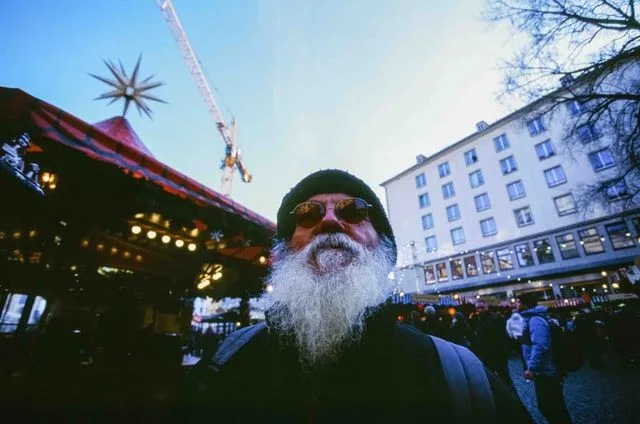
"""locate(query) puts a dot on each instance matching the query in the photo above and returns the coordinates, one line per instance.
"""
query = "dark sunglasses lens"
(352, 210)
(308, 214)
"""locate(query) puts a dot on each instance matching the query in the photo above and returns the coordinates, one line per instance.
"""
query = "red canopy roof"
(119, 128)
(102, 142)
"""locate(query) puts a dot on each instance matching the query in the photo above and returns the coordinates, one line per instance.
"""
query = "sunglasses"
(353, 211)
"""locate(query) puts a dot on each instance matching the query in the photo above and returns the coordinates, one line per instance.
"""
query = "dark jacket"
(490, 341)
(392, 375)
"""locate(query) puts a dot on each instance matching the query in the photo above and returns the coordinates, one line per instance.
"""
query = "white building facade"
(495, 214)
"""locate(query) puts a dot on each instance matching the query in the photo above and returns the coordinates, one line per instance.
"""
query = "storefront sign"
(425, 298)
(490, 300)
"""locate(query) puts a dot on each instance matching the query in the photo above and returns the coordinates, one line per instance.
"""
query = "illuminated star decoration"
(129, 89)
(217, 236)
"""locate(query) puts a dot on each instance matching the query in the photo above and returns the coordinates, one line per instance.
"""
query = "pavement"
(610, 394)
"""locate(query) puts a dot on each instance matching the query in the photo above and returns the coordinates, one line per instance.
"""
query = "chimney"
(481, 126)
(567, 80)
(420, 159)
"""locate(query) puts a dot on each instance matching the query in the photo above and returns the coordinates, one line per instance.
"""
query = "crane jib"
(232, 158)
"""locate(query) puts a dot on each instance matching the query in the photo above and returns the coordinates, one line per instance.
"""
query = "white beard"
(320, 293)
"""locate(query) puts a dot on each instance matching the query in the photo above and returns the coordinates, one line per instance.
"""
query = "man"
(491, 342)
(540, 367)
(331, 351)
(433, 324)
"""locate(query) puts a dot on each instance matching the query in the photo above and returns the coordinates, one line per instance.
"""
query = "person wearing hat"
(331, 349)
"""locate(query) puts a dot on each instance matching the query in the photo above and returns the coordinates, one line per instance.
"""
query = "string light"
(166, 239)
(179, 243)
(204, 283)
(151, 234)
(192, 247)
(135, 229)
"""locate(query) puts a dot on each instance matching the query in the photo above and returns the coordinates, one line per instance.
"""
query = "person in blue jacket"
(540, 367)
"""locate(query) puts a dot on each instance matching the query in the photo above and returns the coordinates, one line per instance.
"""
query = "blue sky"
(362, 85)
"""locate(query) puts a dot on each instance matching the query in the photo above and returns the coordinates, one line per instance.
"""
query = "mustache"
(333, 241)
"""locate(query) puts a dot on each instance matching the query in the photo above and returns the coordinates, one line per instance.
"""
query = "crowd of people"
(495, 334)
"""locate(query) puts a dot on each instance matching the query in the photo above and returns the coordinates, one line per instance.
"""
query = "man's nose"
(330, 223)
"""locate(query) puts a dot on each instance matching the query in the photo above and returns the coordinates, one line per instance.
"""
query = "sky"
(360, 85)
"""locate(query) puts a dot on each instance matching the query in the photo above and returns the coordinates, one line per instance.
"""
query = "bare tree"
(592, 47)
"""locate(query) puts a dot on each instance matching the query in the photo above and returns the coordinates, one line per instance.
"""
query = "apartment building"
(496, 213)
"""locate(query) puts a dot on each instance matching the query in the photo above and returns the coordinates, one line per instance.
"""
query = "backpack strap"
(234, 341)
(468, 383)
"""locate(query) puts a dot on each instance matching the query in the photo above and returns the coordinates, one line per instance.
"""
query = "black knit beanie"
(333, 181)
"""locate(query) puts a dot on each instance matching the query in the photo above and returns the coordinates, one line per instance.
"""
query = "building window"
(575, 107)
(516, 190)
(471, 266)
(453, 213)
(591, 241)
(12, 311)
(456, 269)
(441, 271)
(524, 255)
(617, 190)
(535, 126)
(427, 221)
(488, 266)
(505, 260)
(470, 157)
(488, 227)
(602, 159)
(588, 132)
(421, 180)
(565, 204)
(443, 169)
(545, 150)
(448, 190)
(619, 235)
(508, 165)
(523, 216)
(457, 235)
(431, 244)
(476, 179)
(568, 246)
(555, 176)
(482, 202)
(501, 142)
(429, 274)
(543, 251)
(423, 200)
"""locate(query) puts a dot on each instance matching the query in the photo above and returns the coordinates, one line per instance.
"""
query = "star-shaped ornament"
(217, 236)
(129, 88)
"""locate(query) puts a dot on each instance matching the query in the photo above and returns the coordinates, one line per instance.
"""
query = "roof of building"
(112, 141)
(119, 128)
(519, 112)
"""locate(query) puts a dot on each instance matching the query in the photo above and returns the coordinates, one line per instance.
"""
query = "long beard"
(320, 293)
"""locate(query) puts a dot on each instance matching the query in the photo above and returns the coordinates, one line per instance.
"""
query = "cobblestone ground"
(610, 394)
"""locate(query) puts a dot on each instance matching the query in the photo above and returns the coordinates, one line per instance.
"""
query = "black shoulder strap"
(468, 383)
(234, 341)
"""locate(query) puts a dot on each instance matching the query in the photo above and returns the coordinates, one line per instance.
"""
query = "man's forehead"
(329, 197)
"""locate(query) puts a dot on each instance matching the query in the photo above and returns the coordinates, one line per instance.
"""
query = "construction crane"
(232, 156)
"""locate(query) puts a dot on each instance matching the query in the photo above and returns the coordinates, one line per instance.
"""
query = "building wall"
(406, 215)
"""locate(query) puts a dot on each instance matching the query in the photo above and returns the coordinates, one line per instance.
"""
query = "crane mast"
(233, 157)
